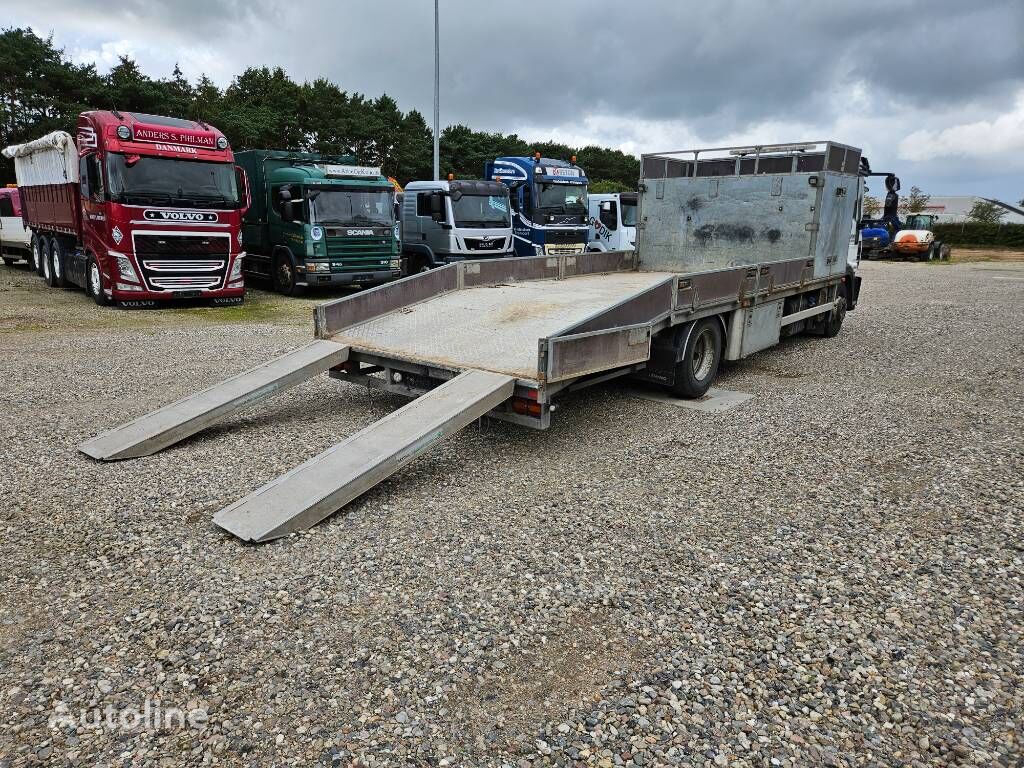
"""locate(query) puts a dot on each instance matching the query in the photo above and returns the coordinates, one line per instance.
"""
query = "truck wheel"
(941, 251)
(831, 326)
(57, 264)
(94, 283)
(9, 262)
(701, 356)
(39, 254)
(284, 276)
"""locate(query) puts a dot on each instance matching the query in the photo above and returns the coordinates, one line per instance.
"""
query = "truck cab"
(549, 203)
(612, 221)
(14, 235)
(318, 220)
(454, 220)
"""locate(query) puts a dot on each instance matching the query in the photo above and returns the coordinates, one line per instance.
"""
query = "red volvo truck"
(136, 209)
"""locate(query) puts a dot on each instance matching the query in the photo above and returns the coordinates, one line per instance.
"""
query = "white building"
(956, 208)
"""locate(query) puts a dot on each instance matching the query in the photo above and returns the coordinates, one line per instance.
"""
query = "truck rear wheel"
(57, 264)
(40, 252)
(700, 358)
(9, 261)
(834, 321)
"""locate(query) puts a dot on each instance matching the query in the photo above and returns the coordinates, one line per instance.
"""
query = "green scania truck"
(318, 220)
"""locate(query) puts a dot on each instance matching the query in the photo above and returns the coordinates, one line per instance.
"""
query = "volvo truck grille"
(178, 262)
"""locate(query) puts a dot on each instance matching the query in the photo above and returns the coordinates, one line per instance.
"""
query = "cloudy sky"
(933, 89)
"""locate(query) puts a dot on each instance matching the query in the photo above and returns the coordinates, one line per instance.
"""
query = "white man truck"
(737, 249)
(454, 220)
(612, 218)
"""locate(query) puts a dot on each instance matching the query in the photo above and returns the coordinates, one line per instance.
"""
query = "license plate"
(188, 294)
(361, 278)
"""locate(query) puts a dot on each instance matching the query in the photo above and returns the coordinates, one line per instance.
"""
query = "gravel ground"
(830, 574)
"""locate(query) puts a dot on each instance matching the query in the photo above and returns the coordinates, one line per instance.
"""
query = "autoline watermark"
(153, 715)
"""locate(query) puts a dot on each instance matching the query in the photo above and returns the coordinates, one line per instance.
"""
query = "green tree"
(986, 212)
(871, 206)
(40, 91)
(914, 202)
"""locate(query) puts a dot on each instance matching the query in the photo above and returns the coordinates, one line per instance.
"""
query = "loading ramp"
(174, 422)
(312, 491)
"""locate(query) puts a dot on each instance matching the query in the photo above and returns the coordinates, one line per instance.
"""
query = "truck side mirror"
(437, 206)
(244, 193)
(287, 214)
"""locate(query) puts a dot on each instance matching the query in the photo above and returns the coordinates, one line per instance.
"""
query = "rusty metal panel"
(782, 274)
(332, 316)
(510, 270)
(643, 307)
(592, 262)
(582, 354)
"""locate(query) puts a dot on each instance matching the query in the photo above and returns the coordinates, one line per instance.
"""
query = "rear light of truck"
(527, 407)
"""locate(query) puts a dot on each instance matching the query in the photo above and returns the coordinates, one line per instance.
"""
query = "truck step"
(155, 431)
(312, 491)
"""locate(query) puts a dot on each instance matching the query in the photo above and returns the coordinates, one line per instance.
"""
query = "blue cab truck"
(549, 203)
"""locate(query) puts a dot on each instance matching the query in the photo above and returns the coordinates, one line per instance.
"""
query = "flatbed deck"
(493, 327)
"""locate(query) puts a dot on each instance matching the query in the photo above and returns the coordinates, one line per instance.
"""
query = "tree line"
(42, 90)
(982, 211)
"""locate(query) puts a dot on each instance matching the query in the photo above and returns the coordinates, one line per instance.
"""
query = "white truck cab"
(14, 235)
(612, 220)
(454, 220)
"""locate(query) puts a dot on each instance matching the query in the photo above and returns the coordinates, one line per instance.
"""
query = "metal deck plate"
(307, 494)
(494, 327)
(157, 430)
(715, 401)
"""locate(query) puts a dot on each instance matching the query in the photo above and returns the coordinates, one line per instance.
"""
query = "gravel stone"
(828, 574)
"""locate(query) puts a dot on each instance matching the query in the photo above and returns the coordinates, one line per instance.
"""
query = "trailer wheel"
(284, 276)
(94, 283)
(830, 328)
(57, 264)
(39, 254)
(700, 358)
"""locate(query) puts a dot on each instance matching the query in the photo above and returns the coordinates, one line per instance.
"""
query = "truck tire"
(40, 250)
(834, 321)
(58, 264)
(94, 282)
(284, 275)
(9, 261)
(701, 355)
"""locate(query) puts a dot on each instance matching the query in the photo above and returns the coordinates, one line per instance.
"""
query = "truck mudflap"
(852, 289)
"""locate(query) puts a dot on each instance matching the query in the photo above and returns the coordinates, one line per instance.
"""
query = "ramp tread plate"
(310, 492)
(163, 427)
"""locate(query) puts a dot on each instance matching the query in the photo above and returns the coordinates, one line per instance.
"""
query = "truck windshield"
(353, 207)
(567, 198)
(628, 212)
(481, 211)
(155, 180)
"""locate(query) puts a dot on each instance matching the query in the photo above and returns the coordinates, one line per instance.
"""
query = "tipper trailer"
(136, 209)
(736, 249)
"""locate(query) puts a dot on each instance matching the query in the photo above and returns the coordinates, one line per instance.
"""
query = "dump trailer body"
(506, 337)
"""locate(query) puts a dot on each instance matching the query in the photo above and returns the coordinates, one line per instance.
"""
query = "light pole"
(437, 96)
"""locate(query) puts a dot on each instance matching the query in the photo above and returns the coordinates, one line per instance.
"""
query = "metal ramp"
(307, 494)
(157, 430)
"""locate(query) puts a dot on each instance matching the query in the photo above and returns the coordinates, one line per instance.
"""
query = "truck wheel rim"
(46, 267)
(94, 279)
(56, 265)
(703, 357)
(284, 274)
(35, 252)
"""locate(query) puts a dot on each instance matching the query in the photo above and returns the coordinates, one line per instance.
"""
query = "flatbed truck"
(737, 249)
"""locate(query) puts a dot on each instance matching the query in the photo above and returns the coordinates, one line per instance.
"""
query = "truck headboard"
(726, 207)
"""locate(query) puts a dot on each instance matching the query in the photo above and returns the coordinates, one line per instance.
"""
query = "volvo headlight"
(124, 266)
(236, 268)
